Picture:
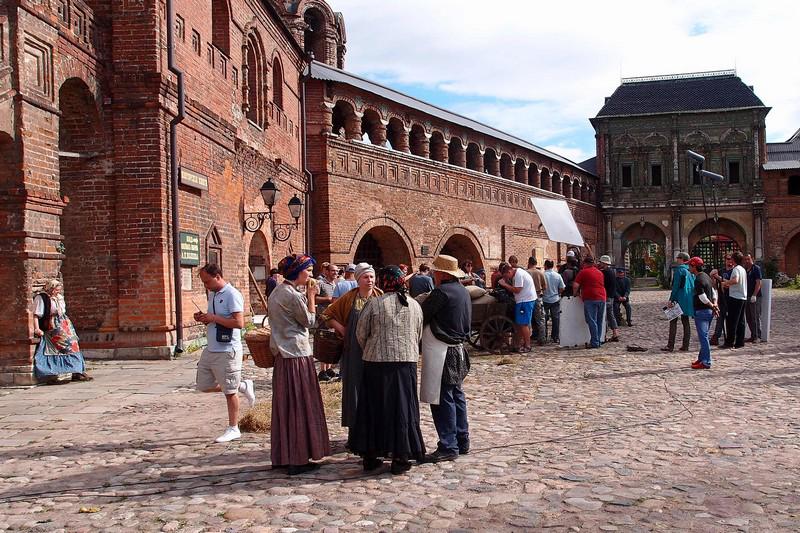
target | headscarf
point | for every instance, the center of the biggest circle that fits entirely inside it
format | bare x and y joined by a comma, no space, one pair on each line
291,265
392,279
363,268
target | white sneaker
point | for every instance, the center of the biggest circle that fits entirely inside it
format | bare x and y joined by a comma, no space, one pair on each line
231,433
249,392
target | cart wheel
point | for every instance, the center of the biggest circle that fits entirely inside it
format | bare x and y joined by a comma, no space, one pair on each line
497,333
475,339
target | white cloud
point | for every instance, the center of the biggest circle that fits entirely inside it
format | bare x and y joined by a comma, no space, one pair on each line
540,70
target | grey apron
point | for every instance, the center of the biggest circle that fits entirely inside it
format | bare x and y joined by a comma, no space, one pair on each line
351,367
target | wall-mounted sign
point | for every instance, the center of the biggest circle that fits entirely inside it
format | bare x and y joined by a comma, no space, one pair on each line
190,249
193,179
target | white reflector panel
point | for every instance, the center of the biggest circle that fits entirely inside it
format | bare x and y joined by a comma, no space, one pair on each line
558,221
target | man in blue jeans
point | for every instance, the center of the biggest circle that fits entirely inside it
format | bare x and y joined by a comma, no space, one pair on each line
705,309
589,284
448,313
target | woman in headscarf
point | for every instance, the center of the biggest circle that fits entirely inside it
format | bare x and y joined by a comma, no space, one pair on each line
299,431
58,351
389,331
342,315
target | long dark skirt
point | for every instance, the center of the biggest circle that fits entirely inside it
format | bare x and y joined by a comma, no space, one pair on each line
388,413
299,431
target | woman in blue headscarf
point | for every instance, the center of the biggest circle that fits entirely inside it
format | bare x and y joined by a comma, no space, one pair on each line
299,431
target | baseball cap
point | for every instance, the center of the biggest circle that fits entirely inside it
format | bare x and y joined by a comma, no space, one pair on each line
350,268
570,254
696,261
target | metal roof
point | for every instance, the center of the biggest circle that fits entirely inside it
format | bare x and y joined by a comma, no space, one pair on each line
782,165
321,71
702,91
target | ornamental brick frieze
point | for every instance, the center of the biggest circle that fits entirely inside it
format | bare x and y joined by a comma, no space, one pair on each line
385,167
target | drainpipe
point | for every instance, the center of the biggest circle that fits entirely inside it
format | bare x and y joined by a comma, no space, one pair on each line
304,148
173,170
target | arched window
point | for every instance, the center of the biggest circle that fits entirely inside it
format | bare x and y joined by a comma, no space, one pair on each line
794,185
220,26
314,36
277,83
254,73
213,247
474,157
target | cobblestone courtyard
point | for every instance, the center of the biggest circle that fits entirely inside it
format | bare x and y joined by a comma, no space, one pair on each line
564,440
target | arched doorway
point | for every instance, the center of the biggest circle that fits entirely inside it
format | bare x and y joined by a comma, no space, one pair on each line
643,248
713,249
712,240
259,263
88,221
792,256
462,248
382,246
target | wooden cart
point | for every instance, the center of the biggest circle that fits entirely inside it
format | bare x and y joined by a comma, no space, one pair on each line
492,325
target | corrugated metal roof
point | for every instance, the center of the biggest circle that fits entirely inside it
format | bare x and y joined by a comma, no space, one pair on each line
680,93
782,165
321,71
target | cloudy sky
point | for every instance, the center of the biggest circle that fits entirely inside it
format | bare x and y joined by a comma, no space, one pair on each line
540,69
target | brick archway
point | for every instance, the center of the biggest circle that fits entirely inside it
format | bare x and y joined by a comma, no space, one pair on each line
258,260
462,244
643,246
725,226
88,218
380,242
791,254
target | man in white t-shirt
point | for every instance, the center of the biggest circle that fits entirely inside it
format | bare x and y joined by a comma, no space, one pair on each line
737,299
518,282
220,365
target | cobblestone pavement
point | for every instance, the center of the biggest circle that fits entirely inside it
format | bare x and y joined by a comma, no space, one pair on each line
566,440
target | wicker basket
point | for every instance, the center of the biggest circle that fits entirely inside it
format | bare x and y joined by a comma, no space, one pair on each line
327,346
258,343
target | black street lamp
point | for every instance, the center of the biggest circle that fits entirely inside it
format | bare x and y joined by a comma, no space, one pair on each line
280,232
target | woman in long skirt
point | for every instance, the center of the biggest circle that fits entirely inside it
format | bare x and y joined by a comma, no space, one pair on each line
299,432
343,315
387,423
58,351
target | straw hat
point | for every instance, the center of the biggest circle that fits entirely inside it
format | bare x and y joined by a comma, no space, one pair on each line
447,264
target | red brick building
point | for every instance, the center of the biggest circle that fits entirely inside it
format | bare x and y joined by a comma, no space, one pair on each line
782,191
86,101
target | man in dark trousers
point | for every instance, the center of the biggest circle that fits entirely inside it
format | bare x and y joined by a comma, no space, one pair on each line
447,315
623,297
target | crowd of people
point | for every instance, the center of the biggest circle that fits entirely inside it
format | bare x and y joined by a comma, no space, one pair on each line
390,319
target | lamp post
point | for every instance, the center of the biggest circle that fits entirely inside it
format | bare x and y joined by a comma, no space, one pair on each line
255,219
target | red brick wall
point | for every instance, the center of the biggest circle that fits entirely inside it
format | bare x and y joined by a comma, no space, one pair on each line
782,221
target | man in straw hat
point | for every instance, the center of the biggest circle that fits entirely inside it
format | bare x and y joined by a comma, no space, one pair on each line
447,315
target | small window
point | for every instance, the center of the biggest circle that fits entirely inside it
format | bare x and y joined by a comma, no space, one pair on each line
734,172
180,28
196,42
794,185
214,248
627,175
655,175
696,178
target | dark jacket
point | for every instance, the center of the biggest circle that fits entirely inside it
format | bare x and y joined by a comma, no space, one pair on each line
448,310
702,284
623,286
610,283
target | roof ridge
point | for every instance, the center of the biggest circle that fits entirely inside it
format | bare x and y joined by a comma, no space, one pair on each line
731,73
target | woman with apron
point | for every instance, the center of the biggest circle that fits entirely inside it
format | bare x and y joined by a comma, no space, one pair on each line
342,316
